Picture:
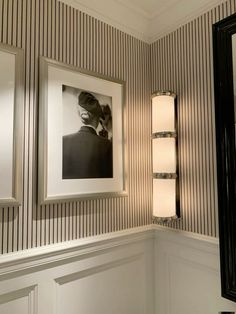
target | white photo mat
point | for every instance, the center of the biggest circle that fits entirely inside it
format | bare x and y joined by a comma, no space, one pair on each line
12,122
52,187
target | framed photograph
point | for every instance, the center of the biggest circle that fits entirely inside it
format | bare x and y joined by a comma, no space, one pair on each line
81,153
12,123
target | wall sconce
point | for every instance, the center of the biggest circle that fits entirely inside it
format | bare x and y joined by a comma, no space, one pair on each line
164,157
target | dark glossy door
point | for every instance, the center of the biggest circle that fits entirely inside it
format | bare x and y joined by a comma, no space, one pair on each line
224,72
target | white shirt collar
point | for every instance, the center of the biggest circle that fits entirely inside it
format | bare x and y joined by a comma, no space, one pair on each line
90,126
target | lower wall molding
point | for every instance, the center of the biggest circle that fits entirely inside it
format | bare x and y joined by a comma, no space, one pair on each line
187,274
144,270
21,300
110,273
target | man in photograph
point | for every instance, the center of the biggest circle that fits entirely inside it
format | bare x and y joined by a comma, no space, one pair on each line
85,153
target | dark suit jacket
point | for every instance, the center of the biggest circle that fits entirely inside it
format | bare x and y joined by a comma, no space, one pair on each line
86,155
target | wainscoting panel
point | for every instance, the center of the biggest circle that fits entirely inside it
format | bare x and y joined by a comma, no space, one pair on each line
145,270
120,282
103,275
187,274
23,300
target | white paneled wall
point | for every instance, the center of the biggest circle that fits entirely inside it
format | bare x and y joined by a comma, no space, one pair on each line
146,270
187,274
21,300
103,275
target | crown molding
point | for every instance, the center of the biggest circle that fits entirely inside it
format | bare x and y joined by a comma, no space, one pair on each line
137,22
160,26
115,14
134,8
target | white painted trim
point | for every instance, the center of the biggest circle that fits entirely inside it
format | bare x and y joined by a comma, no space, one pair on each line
31,258
161,254
194,240
24,260
137,22
132,7
187,267
30,292
114,14
160,26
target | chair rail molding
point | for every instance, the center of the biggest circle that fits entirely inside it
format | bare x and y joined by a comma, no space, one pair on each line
41,256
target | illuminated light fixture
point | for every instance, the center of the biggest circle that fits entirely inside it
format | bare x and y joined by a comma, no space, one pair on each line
164,157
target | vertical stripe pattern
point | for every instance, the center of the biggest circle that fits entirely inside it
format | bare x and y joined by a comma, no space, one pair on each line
52,29
183,62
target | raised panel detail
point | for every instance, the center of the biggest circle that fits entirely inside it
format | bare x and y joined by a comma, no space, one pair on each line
103,274
187,274
19,301
193,288
117,287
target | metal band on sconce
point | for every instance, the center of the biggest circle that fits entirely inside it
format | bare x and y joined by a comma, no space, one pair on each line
164,93
164,176
164,135
164,219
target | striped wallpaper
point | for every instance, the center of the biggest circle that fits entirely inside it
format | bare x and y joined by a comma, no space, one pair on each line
181,61
52,29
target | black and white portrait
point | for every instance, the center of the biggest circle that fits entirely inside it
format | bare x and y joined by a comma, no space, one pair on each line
87,134
81,142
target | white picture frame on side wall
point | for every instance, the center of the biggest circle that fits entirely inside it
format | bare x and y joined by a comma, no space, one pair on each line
12,124
81,147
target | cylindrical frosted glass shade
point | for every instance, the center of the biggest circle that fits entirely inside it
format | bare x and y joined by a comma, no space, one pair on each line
163,113
164,198
164,155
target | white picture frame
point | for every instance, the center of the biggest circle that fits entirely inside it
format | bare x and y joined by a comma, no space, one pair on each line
12,124
55,78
